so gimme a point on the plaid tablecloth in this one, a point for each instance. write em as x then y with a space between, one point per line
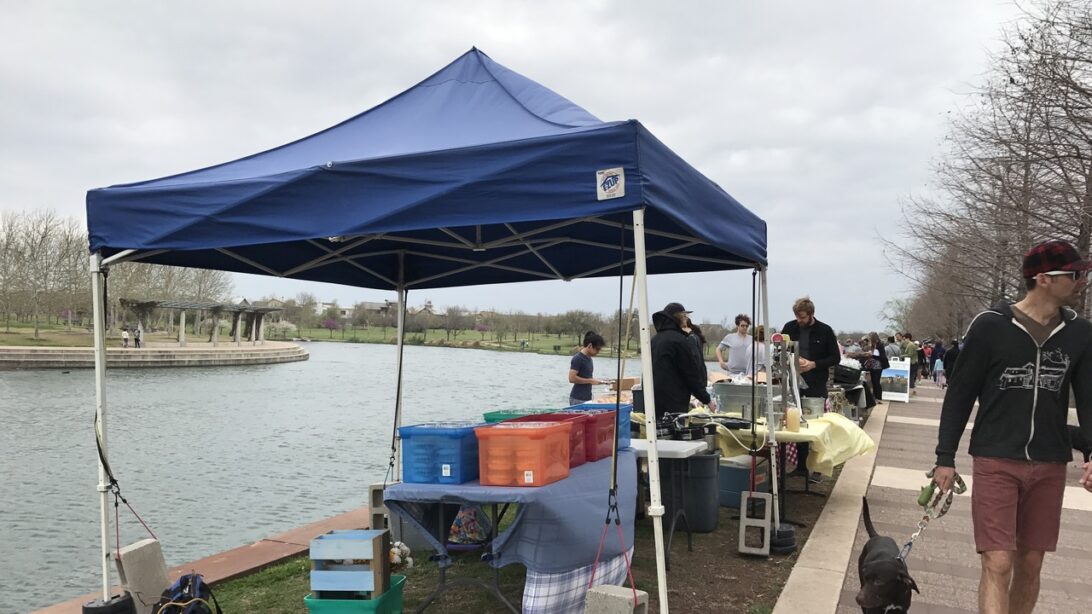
564 593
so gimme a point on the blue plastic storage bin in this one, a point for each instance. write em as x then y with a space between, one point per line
440 453
625 410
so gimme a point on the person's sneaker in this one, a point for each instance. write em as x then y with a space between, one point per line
815 477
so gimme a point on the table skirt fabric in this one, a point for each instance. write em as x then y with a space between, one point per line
564 593
556 527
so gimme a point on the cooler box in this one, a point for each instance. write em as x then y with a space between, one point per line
524 453
735 477
623 421
492 417
577 437
440 453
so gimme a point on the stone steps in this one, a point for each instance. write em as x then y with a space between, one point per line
80 358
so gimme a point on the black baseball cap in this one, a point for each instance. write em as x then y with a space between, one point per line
673 308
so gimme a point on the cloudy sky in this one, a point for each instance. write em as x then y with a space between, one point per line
821 117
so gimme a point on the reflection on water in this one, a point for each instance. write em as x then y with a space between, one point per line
216 458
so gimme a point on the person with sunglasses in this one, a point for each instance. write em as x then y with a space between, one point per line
1018 361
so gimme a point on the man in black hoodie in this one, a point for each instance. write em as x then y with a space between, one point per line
678 370
1019 362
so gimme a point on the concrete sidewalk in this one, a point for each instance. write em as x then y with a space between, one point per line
943 561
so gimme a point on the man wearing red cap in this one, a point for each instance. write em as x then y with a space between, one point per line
1019 362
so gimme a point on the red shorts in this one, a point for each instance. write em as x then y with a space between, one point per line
1017 504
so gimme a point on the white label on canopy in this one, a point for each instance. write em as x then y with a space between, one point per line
445 470
529 477
610 183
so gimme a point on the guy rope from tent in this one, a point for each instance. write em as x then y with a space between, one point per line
612 492
113 486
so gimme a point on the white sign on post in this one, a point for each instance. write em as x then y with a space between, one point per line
895 381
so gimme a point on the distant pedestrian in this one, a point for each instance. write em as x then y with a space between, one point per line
893 349
125 337
878 361
950 357
938 373
136 337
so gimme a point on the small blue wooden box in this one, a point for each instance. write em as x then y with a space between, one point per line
356 561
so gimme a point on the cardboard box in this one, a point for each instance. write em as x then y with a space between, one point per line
627 383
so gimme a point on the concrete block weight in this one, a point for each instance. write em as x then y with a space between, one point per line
609 599
143 573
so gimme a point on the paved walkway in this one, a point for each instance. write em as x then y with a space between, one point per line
944 562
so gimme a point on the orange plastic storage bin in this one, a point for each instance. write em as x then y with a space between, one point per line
577 437
523 453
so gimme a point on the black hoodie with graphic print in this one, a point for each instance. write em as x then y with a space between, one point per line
1022 389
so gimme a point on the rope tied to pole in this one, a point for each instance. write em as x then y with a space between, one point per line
613 514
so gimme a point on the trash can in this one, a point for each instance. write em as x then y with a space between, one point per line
702 494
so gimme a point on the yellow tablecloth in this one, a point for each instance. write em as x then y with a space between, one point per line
834 439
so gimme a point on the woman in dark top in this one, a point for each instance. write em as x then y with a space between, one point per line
698 338
878 363
581 369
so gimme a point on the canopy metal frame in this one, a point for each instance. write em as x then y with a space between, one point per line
638 261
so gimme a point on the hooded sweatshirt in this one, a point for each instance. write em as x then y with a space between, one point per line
1022 389
678 370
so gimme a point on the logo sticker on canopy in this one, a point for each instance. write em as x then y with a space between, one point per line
610 183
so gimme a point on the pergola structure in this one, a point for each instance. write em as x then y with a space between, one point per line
254 317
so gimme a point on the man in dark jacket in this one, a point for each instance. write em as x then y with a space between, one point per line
1019 362
818 352
678 370
950 356
817 345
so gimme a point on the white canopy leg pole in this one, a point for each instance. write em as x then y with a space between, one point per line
402 293
98 312
774 459
656 509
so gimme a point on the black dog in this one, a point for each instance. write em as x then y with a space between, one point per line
885 581
1080 444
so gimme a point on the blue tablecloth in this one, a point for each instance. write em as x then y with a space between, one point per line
556 527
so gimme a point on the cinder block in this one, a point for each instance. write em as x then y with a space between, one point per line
143 573
379 512
610 599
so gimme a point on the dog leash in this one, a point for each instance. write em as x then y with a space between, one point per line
929 498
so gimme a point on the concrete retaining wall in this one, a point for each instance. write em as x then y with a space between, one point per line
227 354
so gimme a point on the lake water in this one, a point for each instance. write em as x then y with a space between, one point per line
214 458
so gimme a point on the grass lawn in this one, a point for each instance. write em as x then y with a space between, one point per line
49 337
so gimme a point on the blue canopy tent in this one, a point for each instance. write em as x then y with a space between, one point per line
476 175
